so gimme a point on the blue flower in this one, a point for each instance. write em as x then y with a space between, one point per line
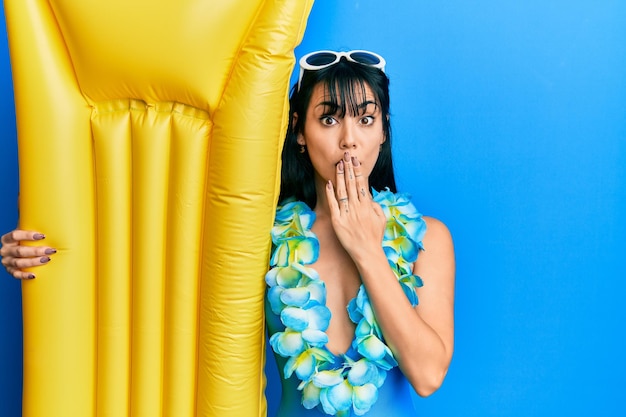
372 348
285 276
273 296
396 205
363 398
303 365
292 219
416 230
315 337
308 273
337 398
403 219
408 283
294 318
363 329
362 372
319 317
317 293
295 212
287 343
327 378
354 312
295 297
326 405
310 394
303 249
362 309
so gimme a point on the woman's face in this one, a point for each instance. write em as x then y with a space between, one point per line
328 134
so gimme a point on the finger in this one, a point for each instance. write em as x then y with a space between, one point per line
350 178
341 193
19 274
333 204
22 263
14 250
362 186
15 236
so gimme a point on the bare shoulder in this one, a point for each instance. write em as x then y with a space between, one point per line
438 236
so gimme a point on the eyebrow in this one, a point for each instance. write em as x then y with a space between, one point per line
367 103
333 105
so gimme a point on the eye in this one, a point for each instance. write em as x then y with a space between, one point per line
328 120
366 120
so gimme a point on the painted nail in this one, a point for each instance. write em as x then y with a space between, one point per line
50 251
340 166
44 259
30 276
346 156
355 161
38 236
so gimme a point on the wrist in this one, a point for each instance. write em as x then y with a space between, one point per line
367 256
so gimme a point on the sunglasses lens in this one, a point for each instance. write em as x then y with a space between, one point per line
321 59
365 58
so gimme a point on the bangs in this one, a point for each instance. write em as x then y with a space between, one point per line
347 95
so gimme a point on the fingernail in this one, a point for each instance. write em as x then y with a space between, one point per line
50 251
346 156
329 185
44 259
355 161
38 236
340 166
30 276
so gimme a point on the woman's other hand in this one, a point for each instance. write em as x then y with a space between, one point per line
15 257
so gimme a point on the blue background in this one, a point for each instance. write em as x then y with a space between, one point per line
509 124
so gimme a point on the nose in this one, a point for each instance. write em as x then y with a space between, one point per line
348 138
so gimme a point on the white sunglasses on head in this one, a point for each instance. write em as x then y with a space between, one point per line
322 59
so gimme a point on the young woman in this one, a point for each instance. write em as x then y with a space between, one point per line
360 296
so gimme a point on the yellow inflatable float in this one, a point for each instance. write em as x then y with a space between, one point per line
149 142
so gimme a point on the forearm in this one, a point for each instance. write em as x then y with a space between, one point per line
420 351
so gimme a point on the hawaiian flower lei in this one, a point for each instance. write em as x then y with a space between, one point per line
298 296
